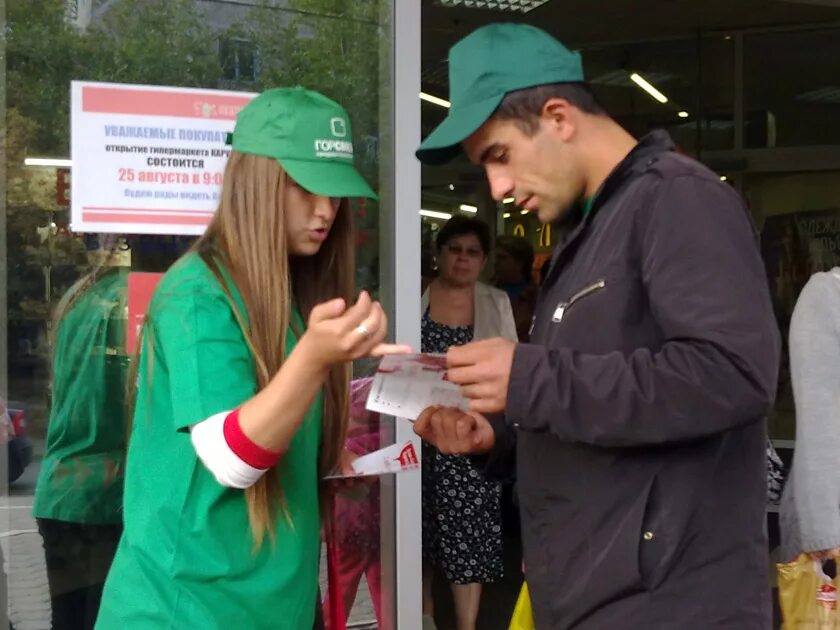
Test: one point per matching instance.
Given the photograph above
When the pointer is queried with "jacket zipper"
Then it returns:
(564, 306)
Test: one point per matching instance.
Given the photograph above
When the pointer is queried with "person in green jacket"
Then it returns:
(242, 390)
(78, 497)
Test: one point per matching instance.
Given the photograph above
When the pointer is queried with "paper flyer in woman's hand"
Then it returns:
(406, 385)
(391, 459)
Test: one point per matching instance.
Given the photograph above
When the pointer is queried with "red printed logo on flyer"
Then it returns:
(408, 457)
(827, 596)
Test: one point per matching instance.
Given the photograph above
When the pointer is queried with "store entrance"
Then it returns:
(741, 87)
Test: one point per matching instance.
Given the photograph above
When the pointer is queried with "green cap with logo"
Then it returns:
(486, 65)
(309, 134)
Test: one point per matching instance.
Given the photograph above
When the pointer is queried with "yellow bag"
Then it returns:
(807, 596)
(523, 616)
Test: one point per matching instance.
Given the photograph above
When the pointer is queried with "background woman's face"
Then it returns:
(461, 260)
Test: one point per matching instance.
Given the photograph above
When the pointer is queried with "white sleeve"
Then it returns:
(208, 439)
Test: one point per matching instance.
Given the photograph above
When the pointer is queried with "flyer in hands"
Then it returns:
(391, 459)
(406, 385)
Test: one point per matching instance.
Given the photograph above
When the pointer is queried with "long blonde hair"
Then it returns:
(247, 237)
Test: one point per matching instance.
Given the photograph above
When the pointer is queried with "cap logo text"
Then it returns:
(333, 148)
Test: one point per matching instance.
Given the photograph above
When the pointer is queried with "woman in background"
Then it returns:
(462, 521)
(810, 510)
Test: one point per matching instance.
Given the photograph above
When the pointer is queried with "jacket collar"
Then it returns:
(638, 160)
(641, 157)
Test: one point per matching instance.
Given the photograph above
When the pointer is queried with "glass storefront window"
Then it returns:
(800, 235)
(791, 88)
(333, 47)
(695, 77)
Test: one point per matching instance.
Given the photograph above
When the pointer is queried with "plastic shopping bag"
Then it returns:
(807, 596)
(523, 616)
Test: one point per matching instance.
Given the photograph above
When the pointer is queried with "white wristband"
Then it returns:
(208, 438)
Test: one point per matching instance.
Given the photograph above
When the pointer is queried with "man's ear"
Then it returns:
(560, 116)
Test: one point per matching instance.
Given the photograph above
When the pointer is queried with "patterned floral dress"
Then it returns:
(462, 520)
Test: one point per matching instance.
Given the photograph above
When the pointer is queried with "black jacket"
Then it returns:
(638, 409)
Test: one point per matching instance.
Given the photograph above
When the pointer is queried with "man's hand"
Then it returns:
(482, 369)
(455, 432)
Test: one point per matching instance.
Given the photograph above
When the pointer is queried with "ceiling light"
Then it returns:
(435, 100)
(647, 87)
(682, 114)
(508, 200)
(827, 94)
(451, 186)
(723, 178)
(621, 78)
(432, 214)
(47, 162)
(515, 6)
(466, 208)
(524, 212)
(506, 215)
(709, 125)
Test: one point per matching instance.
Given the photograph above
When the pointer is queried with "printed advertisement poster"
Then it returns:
(148, 159)
(794, 247)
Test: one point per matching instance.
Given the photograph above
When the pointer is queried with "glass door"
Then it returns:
(365, 55)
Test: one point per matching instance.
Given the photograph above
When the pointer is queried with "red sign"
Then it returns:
(141, 287)
(111, 99)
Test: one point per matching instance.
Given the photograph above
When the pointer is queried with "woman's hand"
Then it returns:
(353, 485)
(345, 462)
(337, 334)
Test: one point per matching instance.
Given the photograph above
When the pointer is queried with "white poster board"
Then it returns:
(148, 159)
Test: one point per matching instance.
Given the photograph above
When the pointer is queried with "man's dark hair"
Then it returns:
(520, 249)
(459, 226)
(524, 107)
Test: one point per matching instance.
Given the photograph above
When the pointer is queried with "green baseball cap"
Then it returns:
(483, 67)
(309, 134)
